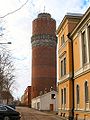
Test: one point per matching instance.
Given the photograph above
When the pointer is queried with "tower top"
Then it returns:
(47, 15)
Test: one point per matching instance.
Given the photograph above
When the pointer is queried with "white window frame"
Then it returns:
(87, 46)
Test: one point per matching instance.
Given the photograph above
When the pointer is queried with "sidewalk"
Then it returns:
(50, 112)
(54, 113)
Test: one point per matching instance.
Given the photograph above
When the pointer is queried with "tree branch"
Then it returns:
(15, 10)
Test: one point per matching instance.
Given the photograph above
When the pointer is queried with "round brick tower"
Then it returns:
(43, 54)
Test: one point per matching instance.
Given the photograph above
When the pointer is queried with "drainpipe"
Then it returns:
(72, 76)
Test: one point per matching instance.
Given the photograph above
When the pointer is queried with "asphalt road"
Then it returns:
(31, 114)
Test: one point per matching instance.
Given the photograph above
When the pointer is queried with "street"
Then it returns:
(31, 114)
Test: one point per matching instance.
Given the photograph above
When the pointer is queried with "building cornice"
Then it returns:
(65, 78)
(85, 69)
(66, 17)
(86, 14)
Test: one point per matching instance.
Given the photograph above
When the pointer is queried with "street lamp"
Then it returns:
(6, 43)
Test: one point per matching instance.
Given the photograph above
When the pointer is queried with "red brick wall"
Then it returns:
(43, 69)
(44, 26)
(43, 57)
(27, 96)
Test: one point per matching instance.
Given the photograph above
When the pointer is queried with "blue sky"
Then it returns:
(85, 2)
(18, 30)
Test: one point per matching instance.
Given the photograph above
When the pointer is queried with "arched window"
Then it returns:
(77, 93)
(86, 92)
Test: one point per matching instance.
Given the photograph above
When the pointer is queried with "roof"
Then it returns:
(87, 13)
(69, 16)
(74, 14)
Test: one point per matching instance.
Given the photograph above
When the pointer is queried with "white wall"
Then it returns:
(44, 101)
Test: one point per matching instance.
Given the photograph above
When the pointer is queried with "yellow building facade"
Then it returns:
(74, 66)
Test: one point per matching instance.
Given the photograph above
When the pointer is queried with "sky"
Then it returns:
(18, 30)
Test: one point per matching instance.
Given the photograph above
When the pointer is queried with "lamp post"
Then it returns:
(0, 54)
(2, 43)
(6, 43)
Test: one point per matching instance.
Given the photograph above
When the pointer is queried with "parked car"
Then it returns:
(12, 105)
(8, 113)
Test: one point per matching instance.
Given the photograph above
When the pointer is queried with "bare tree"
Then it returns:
(6, 70)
